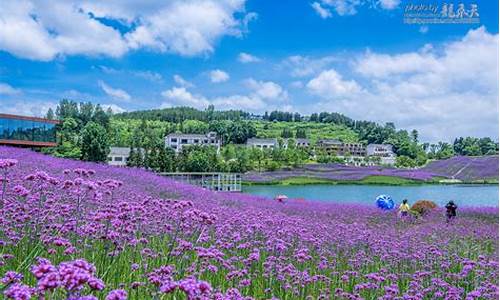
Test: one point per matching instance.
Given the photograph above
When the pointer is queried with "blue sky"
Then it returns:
(351, 56)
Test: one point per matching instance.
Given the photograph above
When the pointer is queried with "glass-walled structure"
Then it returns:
(27, 131)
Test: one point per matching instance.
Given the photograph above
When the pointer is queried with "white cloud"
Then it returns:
(145, 74)
(181, 81)
(73, 94)
(423, 29)
(247, 58)
(389, 4)
(115, 108)
(385, 65)
(444, 92)
(148, 75)
(6, 89)
(64, 27)
(349, 7)
(329, 83)
(118, 94)
(32, 107)
(217, 76)
(266, 89)
(342, 7)
(324, 13)
(108, 70)
(52, 28)
(179, 96)
(245, 102)
(297, 84)
(302, 66)
(187, 27)
(263, 95)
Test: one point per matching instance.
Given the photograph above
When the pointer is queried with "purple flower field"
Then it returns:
(76, 230)
(465, 168)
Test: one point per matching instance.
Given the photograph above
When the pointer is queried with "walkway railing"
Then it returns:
(216, 181)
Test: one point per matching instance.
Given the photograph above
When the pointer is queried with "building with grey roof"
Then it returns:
(262, 143)
(118, 156)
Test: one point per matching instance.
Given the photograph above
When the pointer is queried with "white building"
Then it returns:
(118, 156)
(262, 143)
(178, 140)
(303, 142)
(384, 151)
(272, 143)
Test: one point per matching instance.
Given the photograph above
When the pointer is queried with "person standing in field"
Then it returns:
(451, 211)
(404, 208)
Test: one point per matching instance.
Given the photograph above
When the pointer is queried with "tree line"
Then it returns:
(182, 113)
(232, 158)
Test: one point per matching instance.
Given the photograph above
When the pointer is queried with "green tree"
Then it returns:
(166, 159)
(421, 158)
(221, 127)
(300, 133)
(271, 165)
(101, 117)
(151, 160)
(50, 114)
(86, 113)
(135, 158)
(286, 133)
(240, 131)
(257, 156)
(67, 109)
(322, 157)
(194, 126)
(488, 146)
(228, 152)
(414, 135)
(198, 159)
(240, 162)
(69, 140)
(444, 150)
(405, 162)
(94, 143)
(132, 158)
(67, 150)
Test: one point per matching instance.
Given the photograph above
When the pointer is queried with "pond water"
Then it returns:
(463, 195)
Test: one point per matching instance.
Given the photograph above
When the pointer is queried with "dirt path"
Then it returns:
(461, 169)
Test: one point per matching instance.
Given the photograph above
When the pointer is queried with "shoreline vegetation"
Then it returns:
(369, 180)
